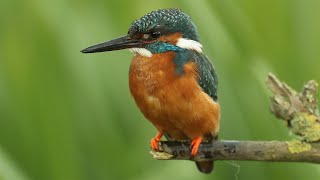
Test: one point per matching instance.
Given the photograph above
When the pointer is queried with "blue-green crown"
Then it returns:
(165, 21)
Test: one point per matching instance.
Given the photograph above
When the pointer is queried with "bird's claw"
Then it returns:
(154, 144)
(195, 145)
(155, 141)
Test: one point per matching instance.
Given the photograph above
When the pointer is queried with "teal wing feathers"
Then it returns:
(207, 79)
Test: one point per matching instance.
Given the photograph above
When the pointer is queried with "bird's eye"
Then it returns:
(151, 35)
(155, 34)
(146, 36)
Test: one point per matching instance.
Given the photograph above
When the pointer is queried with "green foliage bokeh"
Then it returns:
(69, 116)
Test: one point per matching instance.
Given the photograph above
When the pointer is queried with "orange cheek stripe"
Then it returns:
(172, 38)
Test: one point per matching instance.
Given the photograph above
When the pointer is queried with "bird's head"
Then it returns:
(156, 32)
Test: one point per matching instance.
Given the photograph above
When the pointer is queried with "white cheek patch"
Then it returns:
(189, 44)
(141, 51)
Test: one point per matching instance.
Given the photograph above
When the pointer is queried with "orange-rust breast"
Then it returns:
(174, 103)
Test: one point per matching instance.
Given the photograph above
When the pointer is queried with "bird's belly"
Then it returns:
(174, 103)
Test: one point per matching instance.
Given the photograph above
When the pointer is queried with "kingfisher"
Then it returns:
(172, 81)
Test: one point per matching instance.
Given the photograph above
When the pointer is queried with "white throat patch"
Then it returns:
(189, 44)
(141, 51)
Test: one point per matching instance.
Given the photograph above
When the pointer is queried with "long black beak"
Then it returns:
(123, 42)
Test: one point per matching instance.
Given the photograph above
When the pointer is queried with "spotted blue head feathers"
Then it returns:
(164, 22)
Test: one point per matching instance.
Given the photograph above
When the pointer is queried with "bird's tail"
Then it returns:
(205, 166)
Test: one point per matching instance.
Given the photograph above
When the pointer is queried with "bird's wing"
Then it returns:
(207, 79)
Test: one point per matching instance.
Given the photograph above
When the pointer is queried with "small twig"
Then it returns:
(299, 110)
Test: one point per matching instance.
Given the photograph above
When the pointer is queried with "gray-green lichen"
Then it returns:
(161, 155)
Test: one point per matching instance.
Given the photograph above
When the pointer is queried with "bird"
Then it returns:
(173, 83)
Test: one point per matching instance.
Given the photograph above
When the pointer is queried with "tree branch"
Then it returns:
(299, 111)
(240, 150)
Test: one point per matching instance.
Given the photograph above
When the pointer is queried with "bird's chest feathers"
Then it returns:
(157, 83)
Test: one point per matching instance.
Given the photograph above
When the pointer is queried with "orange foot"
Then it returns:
(195, 145)
(155, 141)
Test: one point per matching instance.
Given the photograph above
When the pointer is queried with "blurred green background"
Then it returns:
(69, 116)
